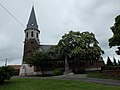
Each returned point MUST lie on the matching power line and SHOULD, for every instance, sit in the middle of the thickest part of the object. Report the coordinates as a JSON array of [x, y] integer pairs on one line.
[[11, 14]]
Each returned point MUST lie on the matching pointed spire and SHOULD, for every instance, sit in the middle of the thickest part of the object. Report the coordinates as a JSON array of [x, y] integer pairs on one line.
[[32, 23]]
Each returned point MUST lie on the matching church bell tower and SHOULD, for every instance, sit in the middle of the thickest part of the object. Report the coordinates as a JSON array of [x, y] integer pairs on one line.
[[31, 42]]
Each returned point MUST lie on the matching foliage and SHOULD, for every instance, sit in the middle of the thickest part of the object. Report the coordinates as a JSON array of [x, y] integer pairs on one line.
[[49, 84], [118, 62], [114, 62], [58, 71], [78, 46], [115, 40], [39, 59], [6, 72], [107, 67], [54, 51], [79, 70], [109, 62], [111, 65], [96, 75]]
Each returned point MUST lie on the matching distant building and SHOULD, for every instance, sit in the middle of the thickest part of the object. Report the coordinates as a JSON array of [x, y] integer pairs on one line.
[[32, 43], [16, 69]]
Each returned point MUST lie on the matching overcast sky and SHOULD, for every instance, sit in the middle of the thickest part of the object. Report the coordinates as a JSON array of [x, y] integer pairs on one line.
[[55, 18]]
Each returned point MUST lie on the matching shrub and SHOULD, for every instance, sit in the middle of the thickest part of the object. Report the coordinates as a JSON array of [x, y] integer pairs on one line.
[[79, 70], [109, 67], [58, 71], [6, 72]]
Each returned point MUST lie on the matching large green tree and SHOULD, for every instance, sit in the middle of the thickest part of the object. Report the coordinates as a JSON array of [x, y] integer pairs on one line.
[[87, 47], [115, 39], [81, 46], [39, 59]]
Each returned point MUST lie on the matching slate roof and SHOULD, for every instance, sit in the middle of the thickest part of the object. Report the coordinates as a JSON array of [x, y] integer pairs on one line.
[[32, 23], [45, 48]]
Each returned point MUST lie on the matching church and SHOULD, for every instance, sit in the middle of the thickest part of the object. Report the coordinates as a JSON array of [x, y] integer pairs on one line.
[[32, 43]]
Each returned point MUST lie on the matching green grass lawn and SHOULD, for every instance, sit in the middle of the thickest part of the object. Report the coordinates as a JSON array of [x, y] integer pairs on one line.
[[42, 84], [96, 75]]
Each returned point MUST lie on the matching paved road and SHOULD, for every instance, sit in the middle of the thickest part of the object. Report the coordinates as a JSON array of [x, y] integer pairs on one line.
[[87, 79], [82, 77]]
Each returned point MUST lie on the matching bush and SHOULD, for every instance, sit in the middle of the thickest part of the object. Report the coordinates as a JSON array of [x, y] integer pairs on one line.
[[80, 70], [6, 72], [58, 71], [109, 67]]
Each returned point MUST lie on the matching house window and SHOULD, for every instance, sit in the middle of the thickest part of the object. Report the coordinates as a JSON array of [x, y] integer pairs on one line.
[[32, 35]]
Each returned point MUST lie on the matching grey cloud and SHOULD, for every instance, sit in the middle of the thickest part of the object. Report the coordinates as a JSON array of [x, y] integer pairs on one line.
[[55, 18]]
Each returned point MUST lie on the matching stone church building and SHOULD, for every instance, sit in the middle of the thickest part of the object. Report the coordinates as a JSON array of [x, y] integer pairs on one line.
[[32, 43]]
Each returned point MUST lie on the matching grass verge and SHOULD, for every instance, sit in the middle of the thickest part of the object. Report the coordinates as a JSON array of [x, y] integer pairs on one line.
[[47, 84]]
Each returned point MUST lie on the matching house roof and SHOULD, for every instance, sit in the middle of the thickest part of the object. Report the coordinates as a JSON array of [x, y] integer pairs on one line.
[[15, 66]]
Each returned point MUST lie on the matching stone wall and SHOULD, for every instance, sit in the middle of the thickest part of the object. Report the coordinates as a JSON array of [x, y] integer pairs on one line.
[[25, 70]]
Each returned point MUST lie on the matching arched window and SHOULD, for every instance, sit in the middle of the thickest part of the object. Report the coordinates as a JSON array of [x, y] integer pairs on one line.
[[32, 34], [27, 34], [36, 35]]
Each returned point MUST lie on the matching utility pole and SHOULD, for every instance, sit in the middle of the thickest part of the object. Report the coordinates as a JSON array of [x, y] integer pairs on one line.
[[6, 62]]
